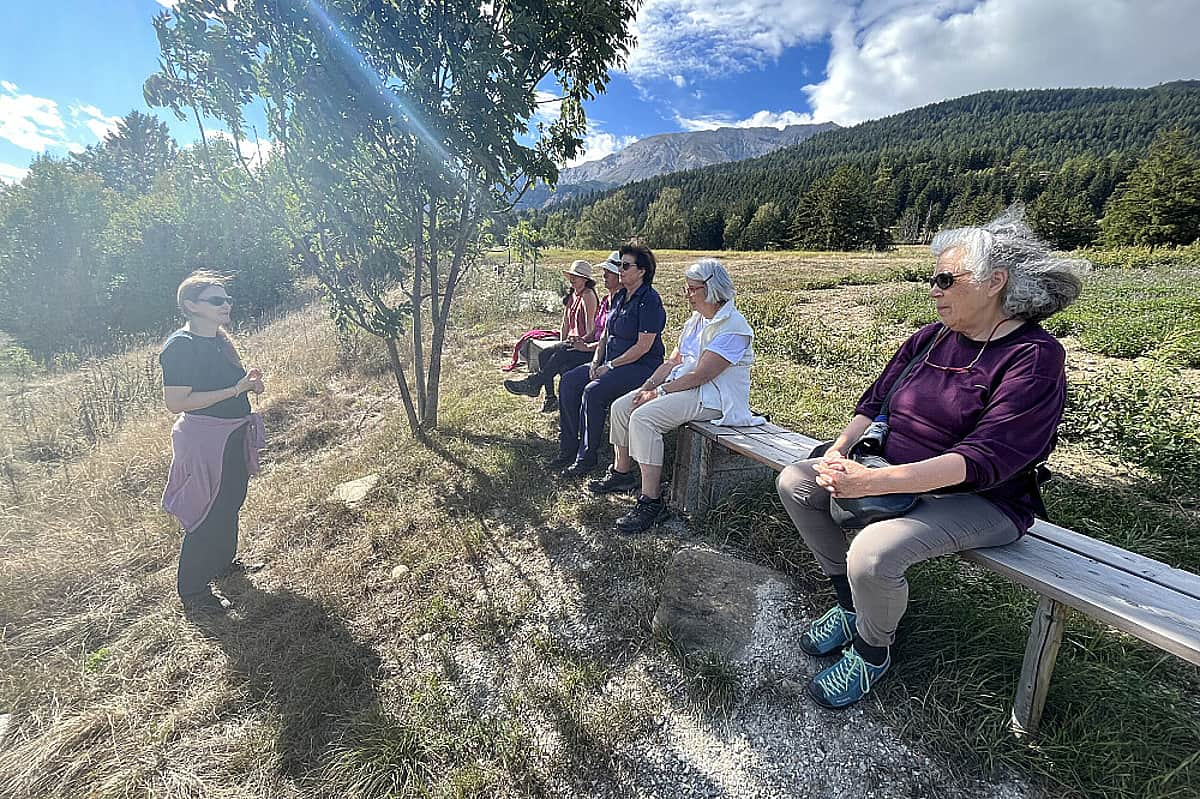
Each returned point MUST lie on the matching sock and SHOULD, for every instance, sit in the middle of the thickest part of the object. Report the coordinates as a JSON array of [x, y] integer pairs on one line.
[[875, 655], [841, 586]]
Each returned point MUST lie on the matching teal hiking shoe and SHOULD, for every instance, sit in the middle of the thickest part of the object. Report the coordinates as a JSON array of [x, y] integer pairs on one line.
[[847, 681], [830, 633]]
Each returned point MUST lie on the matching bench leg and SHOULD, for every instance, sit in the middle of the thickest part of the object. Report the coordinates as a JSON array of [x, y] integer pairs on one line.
[[691, 490], [1045, 636]]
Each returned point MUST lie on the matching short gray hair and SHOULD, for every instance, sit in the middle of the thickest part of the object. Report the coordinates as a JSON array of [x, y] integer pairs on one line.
[[715, 277], [1040, 282]]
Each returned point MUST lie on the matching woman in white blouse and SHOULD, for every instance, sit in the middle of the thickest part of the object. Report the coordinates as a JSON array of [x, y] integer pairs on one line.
[[707, 378]]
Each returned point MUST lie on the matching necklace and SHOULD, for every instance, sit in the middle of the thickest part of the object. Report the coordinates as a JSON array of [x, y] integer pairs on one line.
[[978, 355]]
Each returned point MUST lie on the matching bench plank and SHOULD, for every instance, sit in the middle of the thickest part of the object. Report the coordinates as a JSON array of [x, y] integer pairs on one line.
[[1164, 618], [1147, 568]]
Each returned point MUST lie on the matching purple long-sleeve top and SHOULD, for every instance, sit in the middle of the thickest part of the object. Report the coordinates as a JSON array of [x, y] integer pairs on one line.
[[1001, 415], [197, 451]]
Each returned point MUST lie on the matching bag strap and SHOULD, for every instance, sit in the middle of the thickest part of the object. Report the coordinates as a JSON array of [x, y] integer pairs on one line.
[[887, 400]]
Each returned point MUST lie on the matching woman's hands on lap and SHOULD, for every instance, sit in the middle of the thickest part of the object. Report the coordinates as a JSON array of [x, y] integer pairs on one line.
[[844, 477]]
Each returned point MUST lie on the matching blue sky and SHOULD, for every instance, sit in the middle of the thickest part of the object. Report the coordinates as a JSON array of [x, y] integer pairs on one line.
[[69, 69]]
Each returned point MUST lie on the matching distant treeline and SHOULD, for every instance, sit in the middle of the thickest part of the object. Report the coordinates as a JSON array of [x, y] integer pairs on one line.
[[1111, 166], [92, 247]]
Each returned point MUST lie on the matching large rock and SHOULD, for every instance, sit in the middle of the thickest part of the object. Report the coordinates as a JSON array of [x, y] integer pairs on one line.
[[712, 602]]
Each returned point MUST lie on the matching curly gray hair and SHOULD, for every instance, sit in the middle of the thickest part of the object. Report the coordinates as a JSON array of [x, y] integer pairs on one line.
[[1040, 282], [715, 277]]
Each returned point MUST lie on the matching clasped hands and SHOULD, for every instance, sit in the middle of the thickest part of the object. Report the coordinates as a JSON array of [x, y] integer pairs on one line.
[[844, 477], [251, 382]]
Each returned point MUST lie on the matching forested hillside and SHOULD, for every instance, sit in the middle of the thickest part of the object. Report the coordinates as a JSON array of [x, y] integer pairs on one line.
[[1064, 152]]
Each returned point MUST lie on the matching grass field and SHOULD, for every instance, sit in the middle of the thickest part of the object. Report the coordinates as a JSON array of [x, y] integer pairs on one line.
[[473, 630]]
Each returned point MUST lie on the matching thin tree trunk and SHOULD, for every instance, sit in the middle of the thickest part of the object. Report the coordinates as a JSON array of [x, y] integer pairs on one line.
[[405, 394], [418, 327], [442, 321]]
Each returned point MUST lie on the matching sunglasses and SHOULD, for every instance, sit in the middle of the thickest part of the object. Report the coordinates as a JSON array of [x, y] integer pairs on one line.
[[943, 280], [217, 301], [689, 289], [628, 265]]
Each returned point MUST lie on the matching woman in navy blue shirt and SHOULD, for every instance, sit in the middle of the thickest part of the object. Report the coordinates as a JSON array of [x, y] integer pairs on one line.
[[628, 353]]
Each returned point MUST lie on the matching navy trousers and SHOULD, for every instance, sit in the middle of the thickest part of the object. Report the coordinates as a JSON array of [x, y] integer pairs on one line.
[[583, 405]]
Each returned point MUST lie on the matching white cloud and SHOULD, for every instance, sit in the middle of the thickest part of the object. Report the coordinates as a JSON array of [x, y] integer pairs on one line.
[[891, 55], [256, 152], [679, 80], [706, 38], [10, 173], [31, 123], [908, 55], [600, 145], [95, 120], [760, 119], [549, 106]]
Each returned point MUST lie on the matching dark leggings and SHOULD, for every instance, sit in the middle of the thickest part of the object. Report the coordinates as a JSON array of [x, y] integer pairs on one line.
[[555, 361], [208, 549]]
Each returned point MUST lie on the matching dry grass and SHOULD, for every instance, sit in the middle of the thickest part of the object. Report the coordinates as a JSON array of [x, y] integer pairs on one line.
[[509, 657]]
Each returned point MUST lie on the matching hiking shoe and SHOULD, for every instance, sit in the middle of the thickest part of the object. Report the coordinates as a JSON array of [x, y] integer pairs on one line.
[[239, 566], [645, 514], [523, 387], [579, 469], [550, 405], [563, 460], [206, 603], [615, 482], [847, 681], [830, 633]]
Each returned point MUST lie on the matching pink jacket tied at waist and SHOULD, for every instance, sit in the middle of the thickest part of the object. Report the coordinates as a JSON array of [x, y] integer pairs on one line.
[[197, 450]]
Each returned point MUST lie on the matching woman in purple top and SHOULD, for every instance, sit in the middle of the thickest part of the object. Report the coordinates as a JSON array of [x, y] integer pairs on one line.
[[214, 441], [980, 407]]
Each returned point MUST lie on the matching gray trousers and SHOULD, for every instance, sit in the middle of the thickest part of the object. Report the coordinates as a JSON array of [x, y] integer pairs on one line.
[[208, 550], [880, 554]]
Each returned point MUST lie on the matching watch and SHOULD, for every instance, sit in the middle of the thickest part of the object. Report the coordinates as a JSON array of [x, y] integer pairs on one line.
[[608, 365], [661, 389]]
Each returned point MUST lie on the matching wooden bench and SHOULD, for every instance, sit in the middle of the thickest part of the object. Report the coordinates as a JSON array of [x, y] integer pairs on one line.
[[1134, 594], [536, 348]]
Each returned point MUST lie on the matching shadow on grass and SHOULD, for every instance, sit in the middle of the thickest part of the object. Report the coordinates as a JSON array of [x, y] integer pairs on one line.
[[296, 657]]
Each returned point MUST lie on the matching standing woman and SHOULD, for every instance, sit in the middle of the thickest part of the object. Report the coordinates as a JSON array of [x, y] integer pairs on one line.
[[629, 351], [215, 440], [578, 329]]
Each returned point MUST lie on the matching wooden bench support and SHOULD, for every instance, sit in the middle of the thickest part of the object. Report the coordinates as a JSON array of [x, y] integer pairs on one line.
[[1041, 651], [705, 472]]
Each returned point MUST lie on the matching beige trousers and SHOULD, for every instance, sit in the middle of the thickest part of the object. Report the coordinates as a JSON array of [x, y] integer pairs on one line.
[[642, 429], [875, 562]]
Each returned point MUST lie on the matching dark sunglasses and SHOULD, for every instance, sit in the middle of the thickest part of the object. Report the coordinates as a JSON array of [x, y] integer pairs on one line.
[[943, 280], [217, 301], [628, 265]]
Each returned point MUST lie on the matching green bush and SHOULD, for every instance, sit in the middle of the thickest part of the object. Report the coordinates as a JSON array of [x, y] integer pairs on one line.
[[1142, 257], [1125, 315], [1144, 415]]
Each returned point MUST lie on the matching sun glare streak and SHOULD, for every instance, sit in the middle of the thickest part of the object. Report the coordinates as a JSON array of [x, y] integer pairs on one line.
[[400, 110]]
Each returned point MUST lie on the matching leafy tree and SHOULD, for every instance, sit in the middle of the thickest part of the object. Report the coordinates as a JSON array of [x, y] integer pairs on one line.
[[767, 229], [559, 229], [400, 128], [528, 242], [131, 156], [665, 226], [1160, 201], [52, 287], [606, 224], [732, 236]]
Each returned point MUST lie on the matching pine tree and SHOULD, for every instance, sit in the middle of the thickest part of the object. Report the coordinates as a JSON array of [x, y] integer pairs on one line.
[[1160, 201]]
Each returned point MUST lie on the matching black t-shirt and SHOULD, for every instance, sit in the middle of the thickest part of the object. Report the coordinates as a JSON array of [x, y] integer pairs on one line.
[[202, 363]]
